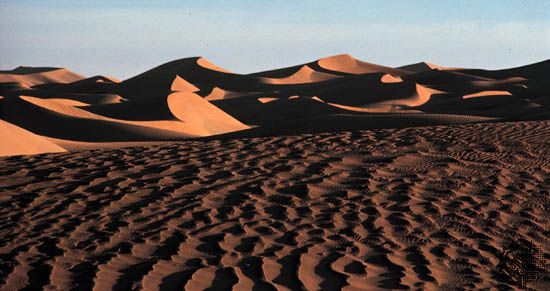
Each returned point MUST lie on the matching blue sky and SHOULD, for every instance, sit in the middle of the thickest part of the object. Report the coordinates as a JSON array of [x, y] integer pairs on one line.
[[124, 38]]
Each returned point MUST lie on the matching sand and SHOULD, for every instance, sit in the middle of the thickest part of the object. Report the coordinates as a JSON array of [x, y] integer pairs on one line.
[[423, 208], [333, 93], [327, 175]]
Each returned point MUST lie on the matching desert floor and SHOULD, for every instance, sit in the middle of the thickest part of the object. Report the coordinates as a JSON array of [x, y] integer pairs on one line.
[[421, 208]]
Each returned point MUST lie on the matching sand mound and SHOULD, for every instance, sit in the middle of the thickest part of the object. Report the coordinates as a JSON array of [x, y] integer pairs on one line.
[[91, 99], [304, 75], [199, 114], [420, 67], [187, 75], [181, 85], [220, 94], [487, 93], [347, 64], [333, 93], [210, 66], [29, 76], [62, 121], [528, 71], [387, 78], [267, 99], [18, 141]]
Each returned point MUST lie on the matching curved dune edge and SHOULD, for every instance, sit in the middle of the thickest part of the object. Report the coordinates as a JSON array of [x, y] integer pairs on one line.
[[69, 102], [421, 96], [201, 116], [221, 94], [487, 93], [31, 78], [210, 66], [304, 75], [345, 63], [69, 98], [267, 99], [19, 141], [387, 78], [423, 67], [180, 84], [170, 127], [374, 108]]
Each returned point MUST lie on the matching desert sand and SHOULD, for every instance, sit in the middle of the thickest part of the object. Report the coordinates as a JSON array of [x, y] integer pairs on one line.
[[192, 98], [328, 175]]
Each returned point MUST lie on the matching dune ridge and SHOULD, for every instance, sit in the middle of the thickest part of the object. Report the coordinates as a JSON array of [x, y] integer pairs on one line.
[[332, 93], [30, 76], [18, 141], [335, 174]]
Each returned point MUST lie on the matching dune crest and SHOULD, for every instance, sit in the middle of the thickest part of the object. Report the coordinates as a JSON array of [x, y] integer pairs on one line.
[[304, 75], [387, 78], [487, 93], [345, 63], [420, 67], [220, 94], [18, 141], [180, 84], [31, 76], [334, 93], [208, 65], [201, 116]]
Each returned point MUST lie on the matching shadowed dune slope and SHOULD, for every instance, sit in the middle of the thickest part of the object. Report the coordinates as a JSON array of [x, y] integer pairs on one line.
[[62, 121], [191, 97], [185, 75]]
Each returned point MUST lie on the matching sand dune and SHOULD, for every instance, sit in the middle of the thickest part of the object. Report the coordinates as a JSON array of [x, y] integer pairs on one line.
[[193, 73], [62, 121], [336, 174], [422, 67], [18, 141], [31, 76], [487, 93], [205, 118], [347, 64], [220, 94], [329, 94], [304, 75]]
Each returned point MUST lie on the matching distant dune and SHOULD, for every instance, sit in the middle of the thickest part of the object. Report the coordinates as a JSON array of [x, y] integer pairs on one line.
[[190, 98], [335, 174]]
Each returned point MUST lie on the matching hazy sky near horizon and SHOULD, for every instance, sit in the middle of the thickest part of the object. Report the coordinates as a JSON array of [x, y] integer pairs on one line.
[[124, 38]]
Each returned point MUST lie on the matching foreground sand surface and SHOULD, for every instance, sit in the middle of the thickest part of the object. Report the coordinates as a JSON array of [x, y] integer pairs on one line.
[[192, 98], [421, 208]]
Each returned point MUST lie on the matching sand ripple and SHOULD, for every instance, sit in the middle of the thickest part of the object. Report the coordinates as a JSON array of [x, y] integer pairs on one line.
[[421, 208]]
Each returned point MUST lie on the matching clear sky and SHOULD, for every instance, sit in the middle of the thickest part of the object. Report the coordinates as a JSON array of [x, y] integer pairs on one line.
[[124, 38]]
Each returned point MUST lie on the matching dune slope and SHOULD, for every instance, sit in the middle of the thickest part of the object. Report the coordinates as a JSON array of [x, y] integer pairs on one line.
[[18, 141], [192, 97]]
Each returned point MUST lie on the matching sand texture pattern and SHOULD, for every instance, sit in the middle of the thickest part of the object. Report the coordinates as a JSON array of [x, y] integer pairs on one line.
[[426, 208]]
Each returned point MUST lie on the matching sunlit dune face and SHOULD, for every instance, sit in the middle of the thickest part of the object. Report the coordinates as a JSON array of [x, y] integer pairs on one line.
[[487, 93], [208, 65]]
